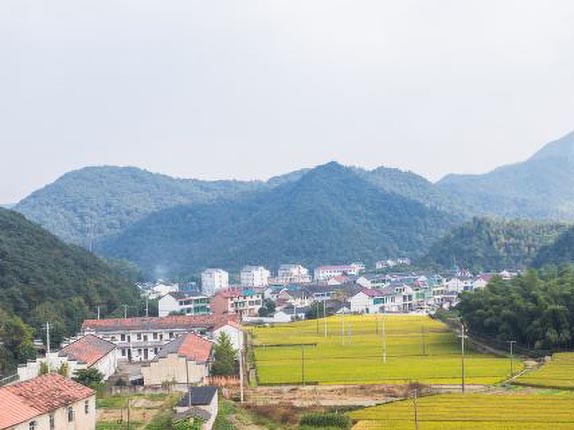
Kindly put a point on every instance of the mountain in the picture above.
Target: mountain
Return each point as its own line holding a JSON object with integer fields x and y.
{"x": 561, "y": 251}
{"x": 329, "y": 215}
{"x": 492, "y": 245}
{"x": 44, "y": 280}
{"x": 95, "y": 202}
{"x": 541, "y": 187}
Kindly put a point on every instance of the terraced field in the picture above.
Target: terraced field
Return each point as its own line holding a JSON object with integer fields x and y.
{"x": 418, "y": 348}
{"x": 558, "y": 373}
{"x": 472, "y": 412}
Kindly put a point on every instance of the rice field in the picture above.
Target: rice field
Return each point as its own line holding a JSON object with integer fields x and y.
{"x": 418, "y": 349}
{"x": 558, "y": 373}
{"x": 472, "y": 412}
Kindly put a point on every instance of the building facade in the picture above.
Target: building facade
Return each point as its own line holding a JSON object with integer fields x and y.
{"x": 184, "y": 303}
{"x": 254, "y": 276}
{"x": 239, "y": 301}
{"x": 213, "y": 280}
{"x": 293, "y": 274}
{"x": 324, "y": 273}
{"x": 48, "y": 402}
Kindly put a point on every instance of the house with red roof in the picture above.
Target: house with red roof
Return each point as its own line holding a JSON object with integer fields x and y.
{"x": 47, "y": 402}
{"x": 85, "y": 352}
{"x": 184, "y": 360}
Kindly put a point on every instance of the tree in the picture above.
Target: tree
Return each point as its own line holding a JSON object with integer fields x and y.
{"x": 224, "y": 357}
{"x": 64, "y": 369}
{"x": 44, "y": 368}
{"x": 89, "y": 377}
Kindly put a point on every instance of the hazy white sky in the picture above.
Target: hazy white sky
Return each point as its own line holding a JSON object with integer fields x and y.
{"x": 250, "y": 89}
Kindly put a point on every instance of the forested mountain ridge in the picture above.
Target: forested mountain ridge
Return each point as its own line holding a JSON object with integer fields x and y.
{"x": 329, "y": 215}
{"x": 561, "y": 251}
{"x": 541, "y": 187}
{"x": 95, "y": 202}
{"x": 492, "y": 245}
{"x": 44, "y": 280}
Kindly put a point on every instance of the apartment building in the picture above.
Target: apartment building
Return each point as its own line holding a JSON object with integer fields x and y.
{"x": 184, "y": 303}
{"x": 213, "y": 280}
{"x": 254, "y": 276}
{"x": 293, "y": 274}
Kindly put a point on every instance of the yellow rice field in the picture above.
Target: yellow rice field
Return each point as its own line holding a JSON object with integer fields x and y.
{"x": 558, "y": 373}
{"x": 418, "y": 349}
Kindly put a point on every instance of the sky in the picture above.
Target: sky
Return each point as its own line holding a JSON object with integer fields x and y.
{"x": 250, "y": 89}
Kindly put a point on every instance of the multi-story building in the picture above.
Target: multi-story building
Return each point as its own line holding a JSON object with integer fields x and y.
{"x": 324, "y": 273}
{"x": 254, "y": 276}
{"x": 140, "y": 339}
{"x": 244, "y": 302}
{"x": 293, "y": 274}
{"x": 184, "y": 303}
{"x": 213, "y": 280}
{"x": 47, "y": 402}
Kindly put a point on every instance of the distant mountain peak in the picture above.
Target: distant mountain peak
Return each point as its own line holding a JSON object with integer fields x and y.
{"x": 561, "y": 148}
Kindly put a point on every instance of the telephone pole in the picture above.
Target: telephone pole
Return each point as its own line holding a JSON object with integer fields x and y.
{"x": 462, "y": 338}
{"x": 415, "y": 395}
{"x": 146, "y": 307}
{"x": 98, "y": 312}
{"x": 325, "y": 315}
{"x": 384, "y": 339}
{"x": 47, "y": 338}
{"x": 241, "y": 388}
{"x": 125, "y": 311}
{"x": 511, "y": 345}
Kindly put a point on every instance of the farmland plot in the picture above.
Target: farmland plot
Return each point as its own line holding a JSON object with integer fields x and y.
{"x": 366, "y": 350}
{"x": 558, "y": 373}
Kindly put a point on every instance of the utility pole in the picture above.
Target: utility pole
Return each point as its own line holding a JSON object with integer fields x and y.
{"x": 125, "y": 311}
{"x": 325, "y": 316}
{"x": 241, "y": 389}
{"x": 98, "y": 312}
{"x": 302, "y": 365}
{"x": 146, "y": 307}
{"x": 384, "y": 339}
{"x": 462, "y": 338}
{"x": 350, "y": 333}
{"x": 416, "y": 409}
{"x": 423, "y": 340}
{"x": 128, "y": 421}
{"x": 47, "y": 338}
{"x": 343, "y": 328}
{"x": 511, "y": 344}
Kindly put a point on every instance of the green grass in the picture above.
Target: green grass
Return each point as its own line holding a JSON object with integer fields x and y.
{"x": 418, "y": 349}
{"x": 472, "y": 412}
{"x": 117, "y": 426}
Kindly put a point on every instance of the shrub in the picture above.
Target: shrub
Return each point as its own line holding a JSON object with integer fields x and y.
{"x": 330, "y": 420}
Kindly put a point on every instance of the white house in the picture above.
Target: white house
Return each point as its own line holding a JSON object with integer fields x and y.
{"x": 254, "y": 276}
{"x": 293, "y": 274}
{"x": 213, "y": 280}
{"x": 324, "y": 273}
{"x": 184, "y": 360}
{"x": 199, "y": 403}
{"x": 187, "y": 303}
{"x": 231, "y": 329}
{"x": 48, "y": 402}
{"x": 367, "y": 301}
{"x": 84, "y": 353}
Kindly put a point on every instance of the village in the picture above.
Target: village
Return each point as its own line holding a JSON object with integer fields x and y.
{"x": 175, "y": 349}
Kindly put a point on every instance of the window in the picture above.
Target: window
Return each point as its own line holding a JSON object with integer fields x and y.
{"x": 32, "y": 425}
{"x": 155, "y": 336}
{"x": 52, "y": 422}
{"x": 139, "y": 336}
{"x": 123, "y": 337}
{"x": 87, "y": 406}
{"x": 71, "y": 414}
{"x": 123, "y": 352}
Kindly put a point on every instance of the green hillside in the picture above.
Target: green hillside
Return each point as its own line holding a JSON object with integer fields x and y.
{"x": 541, "y": 187}
{"x": 329, "y": 215}
{"x": 42, "y": 279}
{"x": 492, "y": 245}
{"x": 95, "y": 202}
{"x": 561, "y": 251}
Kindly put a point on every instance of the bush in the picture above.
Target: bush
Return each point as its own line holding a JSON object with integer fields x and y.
{"x": 326, "y": 420}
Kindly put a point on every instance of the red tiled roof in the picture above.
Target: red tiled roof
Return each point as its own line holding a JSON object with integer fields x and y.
{"x": 189, "y": 345}
{"x": 25, "y": 400}
{"x": 88, "y": 349}
{"x": 371, "y": 292}
{"x": 154, "y": 323}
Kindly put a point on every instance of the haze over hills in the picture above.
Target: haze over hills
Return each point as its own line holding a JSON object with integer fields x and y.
{"x": 541, "y": 187}
{"x": 330, "y": 214}
{"x": 103, "y": 206}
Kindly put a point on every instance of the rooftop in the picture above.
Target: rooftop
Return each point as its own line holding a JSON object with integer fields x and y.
{"x": 88, "y": 349}
{"x": 200, "y": 396}
{"x": 172, "y": 322}
{"x": 25, "y": 400}
{"x": 190, "y": 346}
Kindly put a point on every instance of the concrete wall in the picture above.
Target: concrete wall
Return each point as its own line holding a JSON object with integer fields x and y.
{"x": 172, "y": 368}
{"x": 82, "y": 420}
